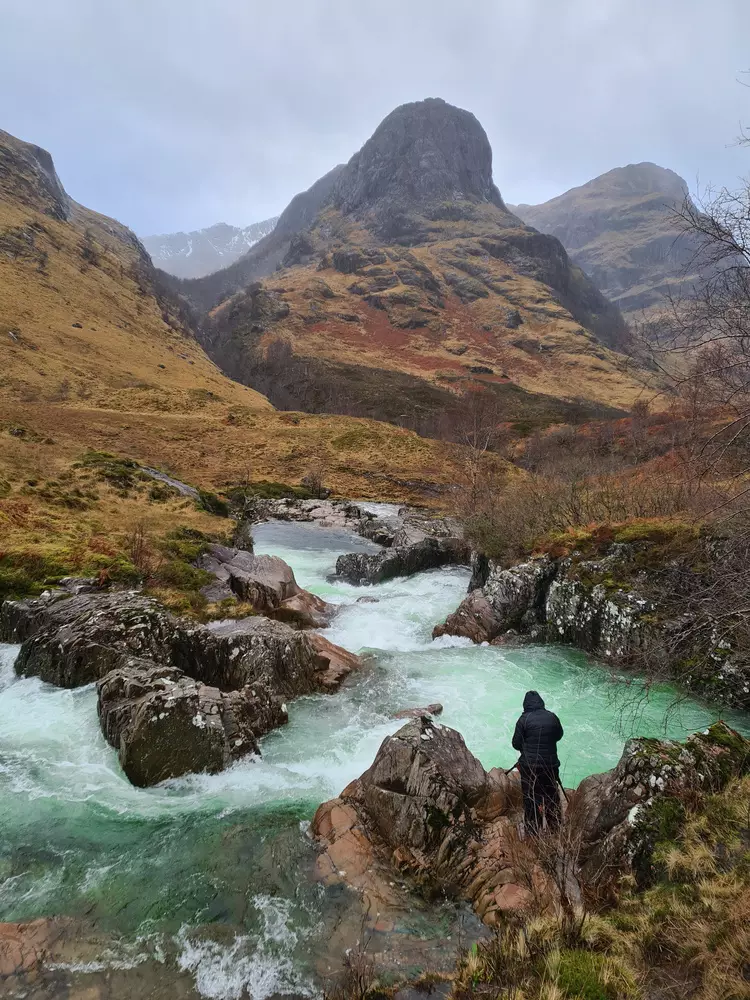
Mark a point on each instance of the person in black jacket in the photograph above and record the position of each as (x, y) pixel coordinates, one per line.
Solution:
(536, 737)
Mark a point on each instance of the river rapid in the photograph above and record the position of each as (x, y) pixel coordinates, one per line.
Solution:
(202, 886)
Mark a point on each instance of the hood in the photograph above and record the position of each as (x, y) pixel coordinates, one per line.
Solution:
(532, 701)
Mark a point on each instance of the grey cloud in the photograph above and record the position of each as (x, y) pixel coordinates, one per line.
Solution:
(174, 114)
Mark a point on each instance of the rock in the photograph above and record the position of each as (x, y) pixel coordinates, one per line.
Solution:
(330, 514)
(164, 724)
(268, 584)
(426, 808)
(417, 713)
(429, 553)
(513, 319)
(623, 812)
(24, 946)
(507, 595)
(354, 259)
(474, 619)
(333, 662)
(71, 641)
(623, 605)
(161, 677)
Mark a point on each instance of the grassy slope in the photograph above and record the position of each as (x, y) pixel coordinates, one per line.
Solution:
(132, 381)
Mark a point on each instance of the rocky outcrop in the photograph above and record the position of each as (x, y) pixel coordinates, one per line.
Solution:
(421, 153)
(160, 677)
(606, 605)
(265, 582)
(402, 560)
(164, 724)
(71, 641)
(342, 514)
(625, 811)
(509, 599)
(427, 810)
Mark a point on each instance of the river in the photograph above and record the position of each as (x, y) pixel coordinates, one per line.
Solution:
(202, 885)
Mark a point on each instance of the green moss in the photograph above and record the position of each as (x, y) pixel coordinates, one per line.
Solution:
(588, 975)
(656, 830)
(27, 574)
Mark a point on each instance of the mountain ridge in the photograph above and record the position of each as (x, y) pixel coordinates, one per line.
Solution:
(408, 278)
(621, 228)
(200, 252)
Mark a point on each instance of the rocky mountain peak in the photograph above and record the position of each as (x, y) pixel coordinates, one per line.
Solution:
(639, 179)
(28, 174)
(427, 151)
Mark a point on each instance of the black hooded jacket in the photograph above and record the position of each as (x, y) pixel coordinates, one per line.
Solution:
(537, 733)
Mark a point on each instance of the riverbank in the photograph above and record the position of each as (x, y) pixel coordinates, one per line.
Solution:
(214, 873)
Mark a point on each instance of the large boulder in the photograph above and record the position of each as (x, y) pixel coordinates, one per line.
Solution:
(402, 560)
(426, 808)
(164, 724)
(267, 583)
(511, 598)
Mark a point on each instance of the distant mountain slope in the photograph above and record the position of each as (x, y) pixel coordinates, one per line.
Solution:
(203, 251)
(96, 352)
(620, 228)
(84, 316)
(267, 254)
(401, 280)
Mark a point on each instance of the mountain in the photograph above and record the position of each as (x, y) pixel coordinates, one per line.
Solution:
(98, 352)
(620, 228)
(203, 251)
(401, 279)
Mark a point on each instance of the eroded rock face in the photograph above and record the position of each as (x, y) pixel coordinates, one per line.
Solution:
(428, 809)
(164, 724)
(402, 560)
(509, 599)
(267, 583)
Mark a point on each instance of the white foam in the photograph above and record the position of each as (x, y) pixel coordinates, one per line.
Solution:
(256, 966)
(8, 656)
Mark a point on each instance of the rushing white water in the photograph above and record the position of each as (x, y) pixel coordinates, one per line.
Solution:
(211, 867)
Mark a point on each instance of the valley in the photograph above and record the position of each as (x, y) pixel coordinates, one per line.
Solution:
(283, 545)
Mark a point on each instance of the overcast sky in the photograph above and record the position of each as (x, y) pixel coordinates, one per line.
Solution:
(175, 114)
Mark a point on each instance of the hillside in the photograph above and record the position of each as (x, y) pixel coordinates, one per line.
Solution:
(203, 251)
(405, 281)
(98, 356)
(620, 228)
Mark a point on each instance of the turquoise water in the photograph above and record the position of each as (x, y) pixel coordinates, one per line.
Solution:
(207, 876)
